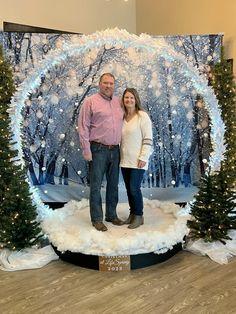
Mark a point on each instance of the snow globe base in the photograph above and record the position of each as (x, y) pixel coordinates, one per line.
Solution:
(120, 248)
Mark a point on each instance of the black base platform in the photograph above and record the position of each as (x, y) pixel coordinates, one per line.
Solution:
(136, 261)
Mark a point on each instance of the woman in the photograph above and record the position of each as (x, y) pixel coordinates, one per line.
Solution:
(135, 150)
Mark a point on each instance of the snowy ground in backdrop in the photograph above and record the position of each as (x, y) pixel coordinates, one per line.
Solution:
(65, 193)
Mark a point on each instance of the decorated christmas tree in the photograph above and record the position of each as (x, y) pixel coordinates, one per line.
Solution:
(225, 89)
(213, 211)
(18, 226)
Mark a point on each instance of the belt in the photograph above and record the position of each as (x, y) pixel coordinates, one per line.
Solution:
(103, 145)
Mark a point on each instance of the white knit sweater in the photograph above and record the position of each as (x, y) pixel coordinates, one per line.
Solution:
(136, 141)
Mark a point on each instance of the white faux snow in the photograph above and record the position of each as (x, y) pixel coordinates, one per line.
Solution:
(69, 228)
(217, 251)
(30, 258)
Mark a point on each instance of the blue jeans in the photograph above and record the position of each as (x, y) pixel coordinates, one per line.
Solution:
(133, 179)
(105, 162)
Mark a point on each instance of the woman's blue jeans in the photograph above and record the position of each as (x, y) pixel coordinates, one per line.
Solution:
(105, 162)
(133, 179)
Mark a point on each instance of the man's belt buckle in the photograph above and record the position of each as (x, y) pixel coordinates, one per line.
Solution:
(103, 145)
(110, 146)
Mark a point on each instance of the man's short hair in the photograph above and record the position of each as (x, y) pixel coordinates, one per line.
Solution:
(106, 74)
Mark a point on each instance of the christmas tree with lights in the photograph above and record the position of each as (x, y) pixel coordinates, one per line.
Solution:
(18, 226)
(213, 211)
(225, 89)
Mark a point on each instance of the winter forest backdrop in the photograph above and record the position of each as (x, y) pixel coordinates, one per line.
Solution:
(180, 122)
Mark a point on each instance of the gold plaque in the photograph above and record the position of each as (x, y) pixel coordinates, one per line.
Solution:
(114, 263)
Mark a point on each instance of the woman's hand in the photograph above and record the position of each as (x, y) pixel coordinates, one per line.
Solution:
(141, 164)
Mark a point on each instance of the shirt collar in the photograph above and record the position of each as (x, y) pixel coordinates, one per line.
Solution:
(105, 97)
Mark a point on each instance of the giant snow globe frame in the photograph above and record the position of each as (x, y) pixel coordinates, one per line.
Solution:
(156, 49)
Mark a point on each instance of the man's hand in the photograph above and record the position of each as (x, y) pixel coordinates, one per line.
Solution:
(141, 164)
(88, 156)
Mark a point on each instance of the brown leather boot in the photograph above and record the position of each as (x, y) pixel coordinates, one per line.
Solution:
(136, 222)
(115, 221)
(129, 219)
(99, 226)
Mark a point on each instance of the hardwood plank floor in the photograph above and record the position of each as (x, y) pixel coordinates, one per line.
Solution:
(186, 284)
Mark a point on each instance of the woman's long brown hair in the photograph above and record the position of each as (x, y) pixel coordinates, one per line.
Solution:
(138, 105)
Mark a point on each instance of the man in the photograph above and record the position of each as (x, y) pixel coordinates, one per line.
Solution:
(100, 124)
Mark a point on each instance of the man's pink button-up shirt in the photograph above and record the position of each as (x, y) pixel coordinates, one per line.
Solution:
(100, 120)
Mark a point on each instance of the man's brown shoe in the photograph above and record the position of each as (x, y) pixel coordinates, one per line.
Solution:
(99, 226)
(115, 221)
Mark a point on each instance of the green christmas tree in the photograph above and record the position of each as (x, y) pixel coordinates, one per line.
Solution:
(225, 89)
(214, 211)
(18, 226)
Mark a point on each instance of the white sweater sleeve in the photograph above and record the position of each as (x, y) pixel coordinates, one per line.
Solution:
(146, 129)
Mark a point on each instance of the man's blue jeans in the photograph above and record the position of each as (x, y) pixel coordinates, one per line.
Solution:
(105, 162)
(133, 179)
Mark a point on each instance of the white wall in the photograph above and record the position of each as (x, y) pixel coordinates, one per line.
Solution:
(172, 17)
(82, 16)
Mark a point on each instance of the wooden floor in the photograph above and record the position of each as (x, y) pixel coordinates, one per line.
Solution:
(184, 284)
